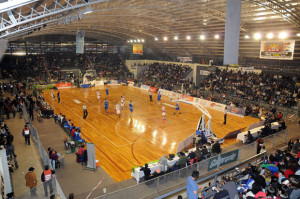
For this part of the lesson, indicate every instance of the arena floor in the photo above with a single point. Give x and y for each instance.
(130, 141)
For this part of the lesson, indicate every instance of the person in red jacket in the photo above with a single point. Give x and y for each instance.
(46, 178)
(26, 133)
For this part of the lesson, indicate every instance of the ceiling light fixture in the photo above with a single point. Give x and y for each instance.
(247, 37)
(156, 39)
(143, 40)
(175, 38)
(202, 37)
(188, 37)
(165, 38)
(257, 36)
(282, 35)
(217, 36)
(270, 35)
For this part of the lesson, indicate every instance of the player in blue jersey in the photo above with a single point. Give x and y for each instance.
(158, 98)
(106, 105)
(177, 109)
(131, 108)
(107, 92)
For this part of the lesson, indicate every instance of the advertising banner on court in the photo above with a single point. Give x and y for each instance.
(63, 85)
(130, 83)
(188, 98)
(152, 89)
(113, 82)
(223, 159)
(283, 50)
(49, 86)
(137, 49)
(246, 69)
(235, 110)
(91, 157)
(145, 87)
(209, 104)
(162, 91)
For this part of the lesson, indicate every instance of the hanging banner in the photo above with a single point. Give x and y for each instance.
(185, 59)
(283, 50)
(80, 42)
(138, 49)
(204, 72)
(91, 158)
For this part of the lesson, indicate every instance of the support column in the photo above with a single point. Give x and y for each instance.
(232, 31)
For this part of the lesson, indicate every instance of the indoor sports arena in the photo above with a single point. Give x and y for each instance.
(106, 99)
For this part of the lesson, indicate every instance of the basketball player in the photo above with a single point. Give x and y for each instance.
(117, 107)
(58, 96)
(131, 108)
(106, 106)
(98, 95)
(177, 109)
(158, 98)
(52, 94)
(123, 102)
(107, 92)
(163, 109)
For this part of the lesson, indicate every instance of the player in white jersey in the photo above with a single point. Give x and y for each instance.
(163, 109)
(98, 95)
(118, 109)
(123, 102)
(52, 94)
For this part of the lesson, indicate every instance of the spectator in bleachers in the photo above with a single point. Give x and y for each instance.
(192, 187)
(163, 163)
(221, 193)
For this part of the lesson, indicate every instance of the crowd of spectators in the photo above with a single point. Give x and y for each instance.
(165, 76)
(222, 85)
(50, 66)
(276, 177)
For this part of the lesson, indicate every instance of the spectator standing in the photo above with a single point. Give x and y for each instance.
(225, 115)
(31, 181)
(26, 133)
(290, 145)
(192, 188)
(295, 149)
(85, 112)
(147, 172)
(231, 188)
(259, 144)
(46, 178)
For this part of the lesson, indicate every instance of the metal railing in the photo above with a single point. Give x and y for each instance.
(176, 178)
(40, 191)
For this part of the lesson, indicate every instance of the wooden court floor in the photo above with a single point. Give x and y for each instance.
(123, 143)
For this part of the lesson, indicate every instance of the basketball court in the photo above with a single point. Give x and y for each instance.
(123, 143)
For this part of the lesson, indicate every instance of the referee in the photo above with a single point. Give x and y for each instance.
(225, 115)
(85, 112)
